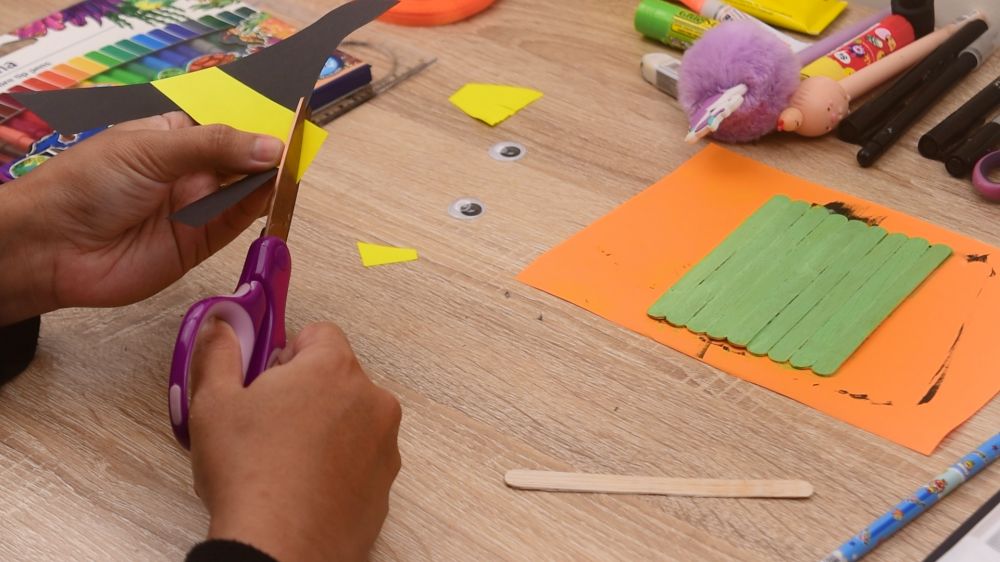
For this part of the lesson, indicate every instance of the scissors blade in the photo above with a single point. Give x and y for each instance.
(279, 219)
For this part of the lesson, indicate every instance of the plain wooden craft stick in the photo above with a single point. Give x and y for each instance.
(693, 487)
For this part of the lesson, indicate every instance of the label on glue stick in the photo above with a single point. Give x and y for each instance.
(729, 13)
(685, 29)
(887, 36)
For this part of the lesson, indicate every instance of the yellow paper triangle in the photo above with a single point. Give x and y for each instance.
(376, 254)
(211, 96)
(492, 103)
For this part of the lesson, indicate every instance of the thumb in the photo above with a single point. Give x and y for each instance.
(217, 365)
(168, 155)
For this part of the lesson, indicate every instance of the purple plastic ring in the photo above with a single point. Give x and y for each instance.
(981, 176)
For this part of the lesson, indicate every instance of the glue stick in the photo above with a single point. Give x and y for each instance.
(804, 16)
(670, 24)
(885, 37)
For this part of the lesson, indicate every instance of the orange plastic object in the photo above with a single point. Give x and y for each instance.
(433, 12)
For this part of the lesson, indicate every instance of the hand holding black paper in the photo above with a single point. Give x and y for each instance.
(89, 228)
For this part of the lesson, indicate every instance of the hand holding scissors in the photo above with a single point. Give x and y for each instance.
(256, 309)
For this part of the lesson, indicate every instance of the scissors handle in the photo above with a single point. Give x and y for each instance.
(255, 311)
(981, 176)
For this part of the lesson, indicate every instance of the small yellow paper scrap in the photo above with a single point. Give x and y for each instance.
(492, 103)
(376, 254)
(211, 96)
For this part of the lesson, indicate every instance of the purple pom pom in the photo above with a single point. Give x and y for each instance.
(740, 52)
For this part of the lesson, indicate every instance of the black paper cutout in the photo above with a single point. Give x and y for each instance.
(287, 71)
(77, 110)
(202, 211)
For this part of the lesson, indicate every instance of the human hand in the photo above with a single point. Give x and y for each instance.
(92, 223)
(299, 463)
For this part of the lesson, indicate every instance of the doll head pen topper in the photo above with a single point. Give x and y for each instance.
(736, 80)
(820, 103)
(256, 94)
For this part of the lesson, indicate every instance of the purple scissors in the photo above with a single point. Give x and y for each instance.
(256, 310)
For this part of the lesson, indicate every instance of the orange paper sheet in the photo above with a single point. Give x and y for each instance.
(929, 367)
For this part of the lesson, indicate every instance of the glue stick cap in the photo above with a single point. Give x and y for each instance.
(653, 18)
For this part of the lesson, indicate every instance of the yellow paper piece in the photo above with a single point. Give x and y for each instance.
(211, 96)
(376, 254)
(492, 103)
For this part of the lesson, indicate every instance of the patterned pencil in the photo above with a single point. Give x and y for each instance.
(910, 508)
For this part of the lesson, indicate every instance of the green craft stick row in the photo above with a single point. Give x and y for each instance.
(831, 302)
(853, 335)
(732, 244)
(680, 304)
(885, 275)
(801, 267)
(799, 284)
(765, 282)
(863, 239)
(682, 312)
(738, 282)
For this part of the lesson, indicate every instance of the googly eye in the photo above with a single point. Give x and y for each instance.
(507, 151)
(466, 208)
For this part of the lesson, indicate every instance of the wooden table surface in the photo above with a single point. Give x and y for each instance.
(492, 374)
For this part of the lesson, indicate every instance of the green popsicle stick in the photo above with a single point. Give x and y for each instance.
(819, 344)
(682, 311)
(787, 280)
(732, 244)
(829, 303)
(854, 334)
(739, 283)
(863, 239)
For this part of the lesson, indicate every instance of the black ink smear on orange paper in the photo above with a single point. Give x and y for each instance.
(865, 397)
(841, 208)
(942, 370)
(726, 346)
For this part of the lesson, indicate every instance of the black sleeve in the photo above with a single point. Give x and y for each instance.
(226, 551)
(17, 347)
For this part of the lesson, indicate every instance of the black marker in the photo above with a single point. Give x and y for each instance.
(961, 162)
(861, 121)
(935, 143)
(924, 99)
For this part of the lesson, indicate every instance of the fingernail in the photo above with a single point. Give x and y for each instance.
(267, 149)
(285, 355)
